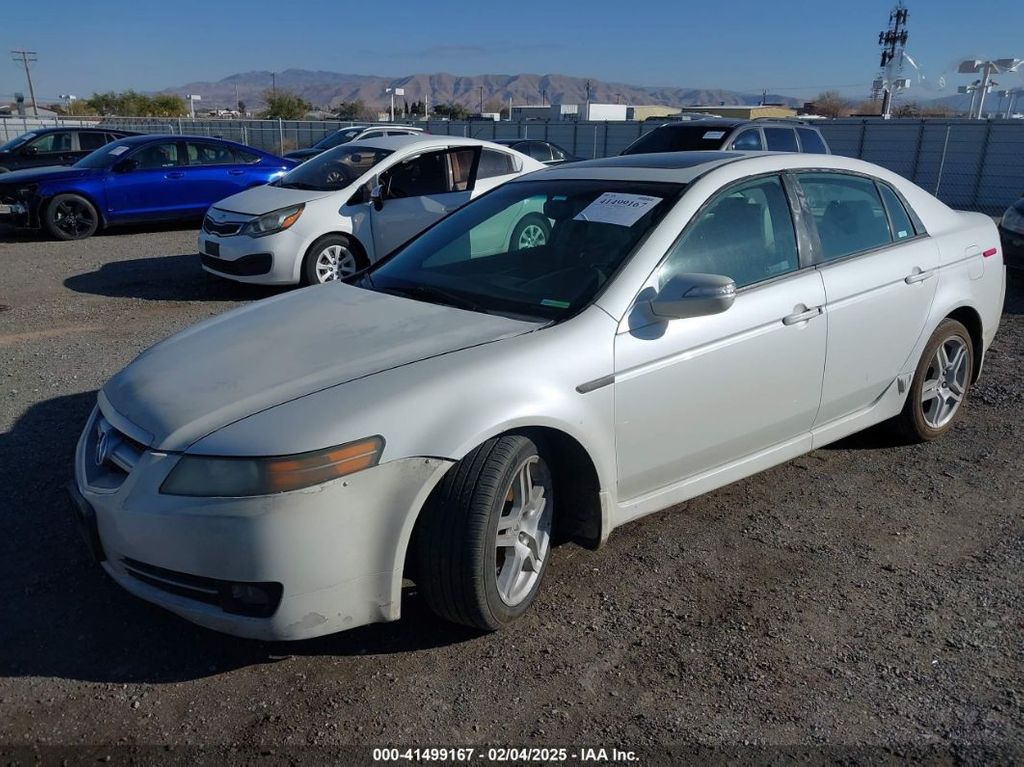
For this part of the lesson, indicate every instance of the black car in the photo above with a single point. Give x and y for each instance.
(544, 151)
(722, 133)
(1011, 234)
(54, 146)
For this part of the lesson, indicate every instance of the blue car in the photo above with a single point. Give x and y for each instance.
(135, 180)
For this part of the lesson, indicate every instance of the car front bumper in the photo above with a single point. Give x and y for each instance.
(334, 553)
(271, 260)
(15, 214)
(1013, 248)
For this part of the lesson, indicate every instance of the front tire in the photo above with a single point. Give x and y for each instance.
(332, 257)
(532, 231)
(941, 383)
(484, 541)
(71, 217)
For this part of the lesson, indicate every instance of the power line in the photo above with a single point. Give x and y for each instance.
(28, 57)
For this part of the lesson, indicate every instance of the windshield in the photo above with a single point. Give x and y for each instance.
(17, 141)
(105, 156)
(682, 138)
(538, 249)
(334, 169)
(337, 138)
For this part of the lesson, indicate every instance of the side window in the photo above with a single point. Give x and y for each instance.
(373, 134)
(749, 140)
(746, 233)
(157, 156)
(246, 158)
(494, 163)
(556, 154)
(52, 142)
(902, 227)
(87, 142)
(811, 141)
(462, 166)
(423, 175)
(200, 153)
(847, 211)
(537, 150)
(781, 139)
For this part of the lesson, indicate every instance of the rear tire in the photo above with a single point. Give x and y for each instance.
(332, 257)
(70, 217)
(941, 384)
(483, 542)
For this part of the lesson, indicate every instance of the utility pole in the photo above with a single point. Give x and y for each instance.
(892, 42)
(586, 116)
(26, 58)
(481, 101)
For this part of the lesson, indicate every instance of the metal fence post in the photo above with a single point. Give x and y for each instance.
(280, 134)
(863, 135)
(982, 157)
(917, 154)
(942, 162)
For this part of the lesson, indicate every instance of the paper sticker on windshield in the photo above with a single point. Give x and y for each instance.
(617, 208)
(119, 150)
(714, 134)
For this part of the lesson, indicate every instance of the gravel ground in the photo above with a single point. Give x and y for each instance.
(862, 595)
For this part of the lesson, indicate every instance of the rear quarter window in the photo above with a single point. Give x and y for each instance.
(811, 142)
(781, 139)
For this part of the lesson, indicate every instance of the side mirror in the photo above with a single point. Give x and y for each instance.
(124, 166)
(377, 196)
(30, 151)
(694, 295)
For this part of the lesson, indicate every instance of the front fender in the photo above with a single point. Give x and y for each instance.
(445, 406)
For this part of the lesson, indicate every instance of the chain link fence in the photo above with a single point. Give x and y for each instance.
(969, 164)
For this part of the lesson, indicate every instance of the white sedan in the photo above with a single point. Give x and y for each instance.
(340, 211)
(458, 409)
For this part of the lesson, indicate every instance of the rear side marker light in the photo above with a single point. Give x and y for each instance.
(990, 252)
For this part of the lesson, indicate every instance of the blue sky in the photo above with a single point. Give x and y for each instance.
(796, 48)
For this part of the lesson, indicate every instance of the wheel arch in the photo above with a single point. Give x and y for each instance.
(45, 200)
(584, 521)
(301, 262)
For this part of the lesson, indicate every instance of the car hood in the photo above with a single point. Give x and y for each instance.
(46, 173)
(303, 154)
(264, 199)
(277, 350)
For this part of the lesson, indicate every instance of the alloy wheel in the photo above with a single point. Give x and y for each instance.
(945, 383)
(532, 236)
(73, 218)
(523, 539)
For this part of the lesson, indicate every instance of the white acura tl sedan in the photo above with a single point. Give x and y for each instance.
(342, 210)
(451, 414)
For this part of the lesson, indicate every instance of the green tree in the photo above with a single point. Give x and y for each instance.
(351, 110)
(167, 105)
(285, 104)
(452, 111)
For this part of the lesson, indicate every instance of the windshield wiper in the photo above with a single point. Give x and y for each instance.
(434, 295)
(299, 185)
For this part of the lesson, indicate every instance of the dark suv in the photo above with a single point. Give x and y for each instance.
(720, 133)
(54, 146)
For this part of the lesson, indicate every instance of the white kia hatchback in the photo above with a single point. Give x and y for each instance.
(340, 211)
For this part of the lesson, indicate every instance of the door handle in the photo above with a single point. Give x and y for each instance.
(235, 172)
(919, 276)
(803, 316)
(174, 174)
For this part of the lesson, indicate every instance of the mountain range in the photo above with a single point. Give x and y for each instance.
(327, 89)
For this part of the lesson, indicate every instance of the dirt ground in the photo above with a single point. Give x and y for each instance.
(866, 594)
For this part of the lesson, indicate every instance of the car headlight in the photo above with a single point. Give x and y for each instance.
(273, 222)
(1013, 220)
(216, 477)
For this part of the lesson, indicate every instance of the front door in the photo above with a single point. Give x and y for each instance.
(693, 395)
(419, 191)
(148, 184)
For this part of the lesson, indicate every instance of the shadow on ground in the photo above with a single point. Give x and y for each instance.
(164, 278)
(15, 234)
(63, 617)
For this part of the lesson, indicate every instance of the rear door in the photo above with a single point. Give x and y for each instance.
(880, 276)
(55, 148)
(214, 171)
(88, 141)
(418, 191)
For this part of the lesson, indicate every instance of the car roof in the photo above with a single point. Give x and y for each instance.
(676, 167)
(78, 128)
(394, 143)
(733, 122)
